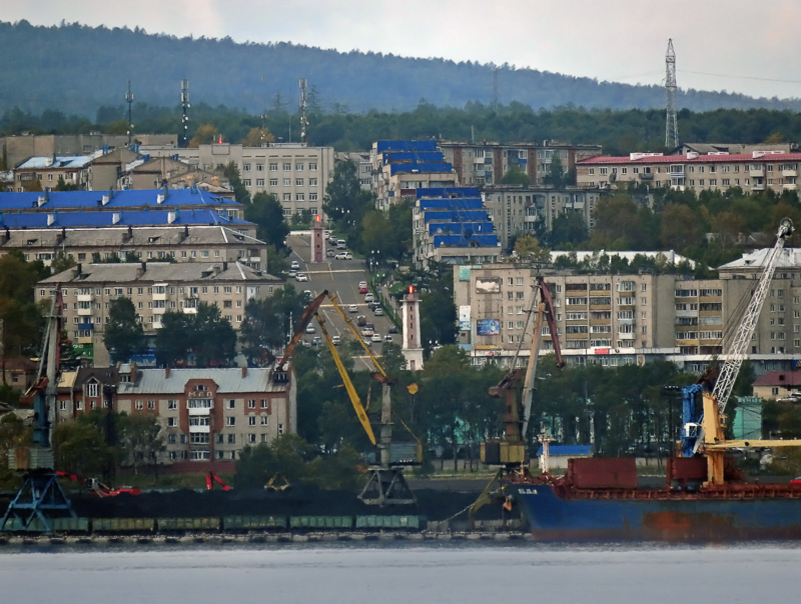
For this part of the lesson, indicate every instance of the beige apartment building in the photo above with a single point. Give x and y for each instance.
(294, 172)
(154, 287)
(518, 210)
(718, 171)
(197, 243)
(207, 415)
(620, 319)
(486, 163)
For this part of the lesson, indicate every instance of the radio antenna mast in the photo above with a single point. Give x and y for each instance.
(671, 126)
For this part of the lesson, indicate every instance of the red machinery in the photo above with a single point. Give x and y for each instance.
(211, 478)
(98, 488)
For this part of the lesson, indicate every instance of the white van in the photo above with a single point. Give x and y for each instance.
(341, 244)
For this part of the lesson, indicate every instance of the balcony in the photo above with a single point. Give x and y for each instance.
(85, 298)
(84, 312)
(756, 172)
(190, 310)
(160, 296)
(199, 429)
(199, 411)
(626, 321)
(759, 187)
(790, 186)
(789, 173)
(159, 311)
(627, 336)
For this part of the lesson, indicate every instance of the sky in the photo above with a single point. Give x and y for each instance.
(734, 45)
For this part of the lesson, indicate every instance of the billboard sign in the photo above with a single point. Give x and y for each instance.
(488, 327)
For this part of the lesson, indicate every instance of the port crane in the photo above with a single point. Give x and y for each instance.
(386, 484)
(709, 436)
(40, 498)
(509, 452)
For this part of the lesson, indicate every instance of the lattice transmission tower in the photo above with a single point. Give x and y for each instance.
(671, 125)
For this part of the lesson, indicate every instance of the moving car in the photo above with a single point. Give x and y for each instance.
(367, 331)
(353, 308)
(361, 320)
(376, 337)
(363, 290)
(310, 329)
(301, 277)
(379, 312)
(392, 329)
(336, 340)
(317, 341)
(348, 256)
(387, 338)
(295, 264)
(368, 297)
(292, 273)
(363, 284)
(329, 253)
(341, 256)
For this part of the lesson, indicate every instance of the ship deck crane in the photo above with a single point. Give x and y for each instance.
(711, 440)
(509, 452)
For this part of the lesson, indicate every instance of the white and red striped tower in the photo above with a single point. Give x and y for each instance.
(412, 346)
(317, 240)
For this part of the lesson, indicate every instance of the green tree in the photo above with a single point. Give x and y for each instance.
(286, 455)
(556, 176)
(62, 185)
(345, 202)
(13, 433)
(204, 339)
(140, 439)
(268, 214)
(515, 176)
(19, 315)
(568, 230)
(80, 447)
(206, 134)
(241, 194)
(123, 335)
(257, 137)
(681, 227)
(267, 323)
(61, 263)
(528, 249)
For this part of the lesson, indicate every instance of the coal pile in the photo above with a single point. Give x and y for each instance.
(297, 501)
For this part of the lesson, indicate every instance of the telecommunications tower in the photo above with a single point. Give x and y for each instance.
(183, 137)
(671, 126)
(129, 97)
(304, 121)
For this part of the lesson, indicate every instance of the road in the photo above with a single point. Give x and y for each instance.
(341, 277)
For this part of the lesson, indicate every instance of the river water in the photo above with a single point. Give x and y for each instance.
(404, 574)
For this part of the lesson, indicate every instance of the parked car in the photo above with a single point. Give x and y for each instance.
(367, 331)
(329, 253)
(361, 320)
(376, 337)
(295, 264)
(387, 338)
(341, 256)
(353, 308)
(292, 273)
(368, 297)
(379, 312)
(363, 290)
(348, 256)
(302, 277)
(392, 329)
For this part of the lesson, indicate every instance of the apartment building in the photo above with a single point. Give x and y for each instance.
(399, 168)
(154, 288)
(207, 415)
(364, 169)
(196, 243)
(719, 171)
(450, 225)
(486, 162)
(38, 173)
(619, 319)
(519, 210)
(294, 172)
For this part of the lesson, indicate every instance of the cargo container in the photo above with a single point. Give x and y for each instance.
(241, 523)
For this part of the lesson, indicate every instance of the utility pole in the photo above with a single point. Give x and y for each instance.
(494, 87)
(304, 121)
(671, 126)
(129, 97)
(183, 138)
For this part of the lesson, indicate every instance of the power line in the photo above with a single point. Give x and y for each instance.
(724, 75)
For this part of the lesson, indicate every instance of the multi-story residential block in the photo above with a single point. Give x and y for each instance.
(518, 210)
(38, 173)
(450, 225)
(754, 172)
(486, 163)
(207, 415)
(294, 172)
(154, 288)
(618, 319)
(399, 168)
(364, 169)
(198, 243)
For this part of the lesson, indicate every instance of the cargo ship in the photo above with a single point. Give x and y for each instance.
(599, 499)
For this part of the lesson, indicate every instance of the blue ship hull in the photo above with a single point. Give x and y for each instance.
(659, 514)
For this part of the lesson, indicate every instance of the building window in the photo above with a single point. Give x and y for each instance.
(252, 420)
(230, 421)
(93, 389)
(251, 403)
(273, 167)
(287, 167)
(273, 182)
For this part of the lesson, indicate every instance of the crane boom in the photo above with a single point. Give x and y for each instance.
(736, 354)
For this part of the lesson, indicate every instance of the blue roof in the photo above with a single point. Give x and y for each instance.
(489, 240)
(413, 156)
(420, 167)
(57, 220)
(447, 192)
(451, 203)
(567, 450)
(382, 146)
(67, 200)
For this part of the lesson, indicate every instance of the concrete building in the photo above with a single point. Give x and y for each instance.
(518, 210)
(751, 172)
(39, 173)
(207, 415)
(618, 319)
(197, 243)
(451, 225)
(363, 164)
(294, 172)
(154, 288)
(486, 162)
(399, 168)
(778, 384)
(17, 149)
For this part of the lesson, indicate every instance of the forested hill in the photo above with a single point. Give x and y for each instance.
(76, 69)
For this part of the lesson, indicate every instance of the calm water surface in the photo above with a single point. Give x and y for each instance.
(405, 574)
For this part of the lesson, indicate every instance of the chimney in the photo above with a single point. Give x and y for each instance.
(186, 233)
(5, 237)
(172, 216)
(128, 235)
(166, 372)
(225, 266)
(40, 201)
(76, 271)
(61, 236)
(115, 217)
(244, 372)
(51, 219)
(105, 199)
(133, 373)
(141, 270)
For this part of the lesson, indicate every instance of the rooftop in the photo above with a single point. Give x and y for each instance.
(646, 159)
(160, 381)
(780, 378)
(789, 258)
(158, 272)
(111, 200)
(55, 162)
(58, 220)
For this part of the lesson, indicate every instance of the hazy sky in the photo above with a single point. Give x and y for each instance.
(736, 45)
